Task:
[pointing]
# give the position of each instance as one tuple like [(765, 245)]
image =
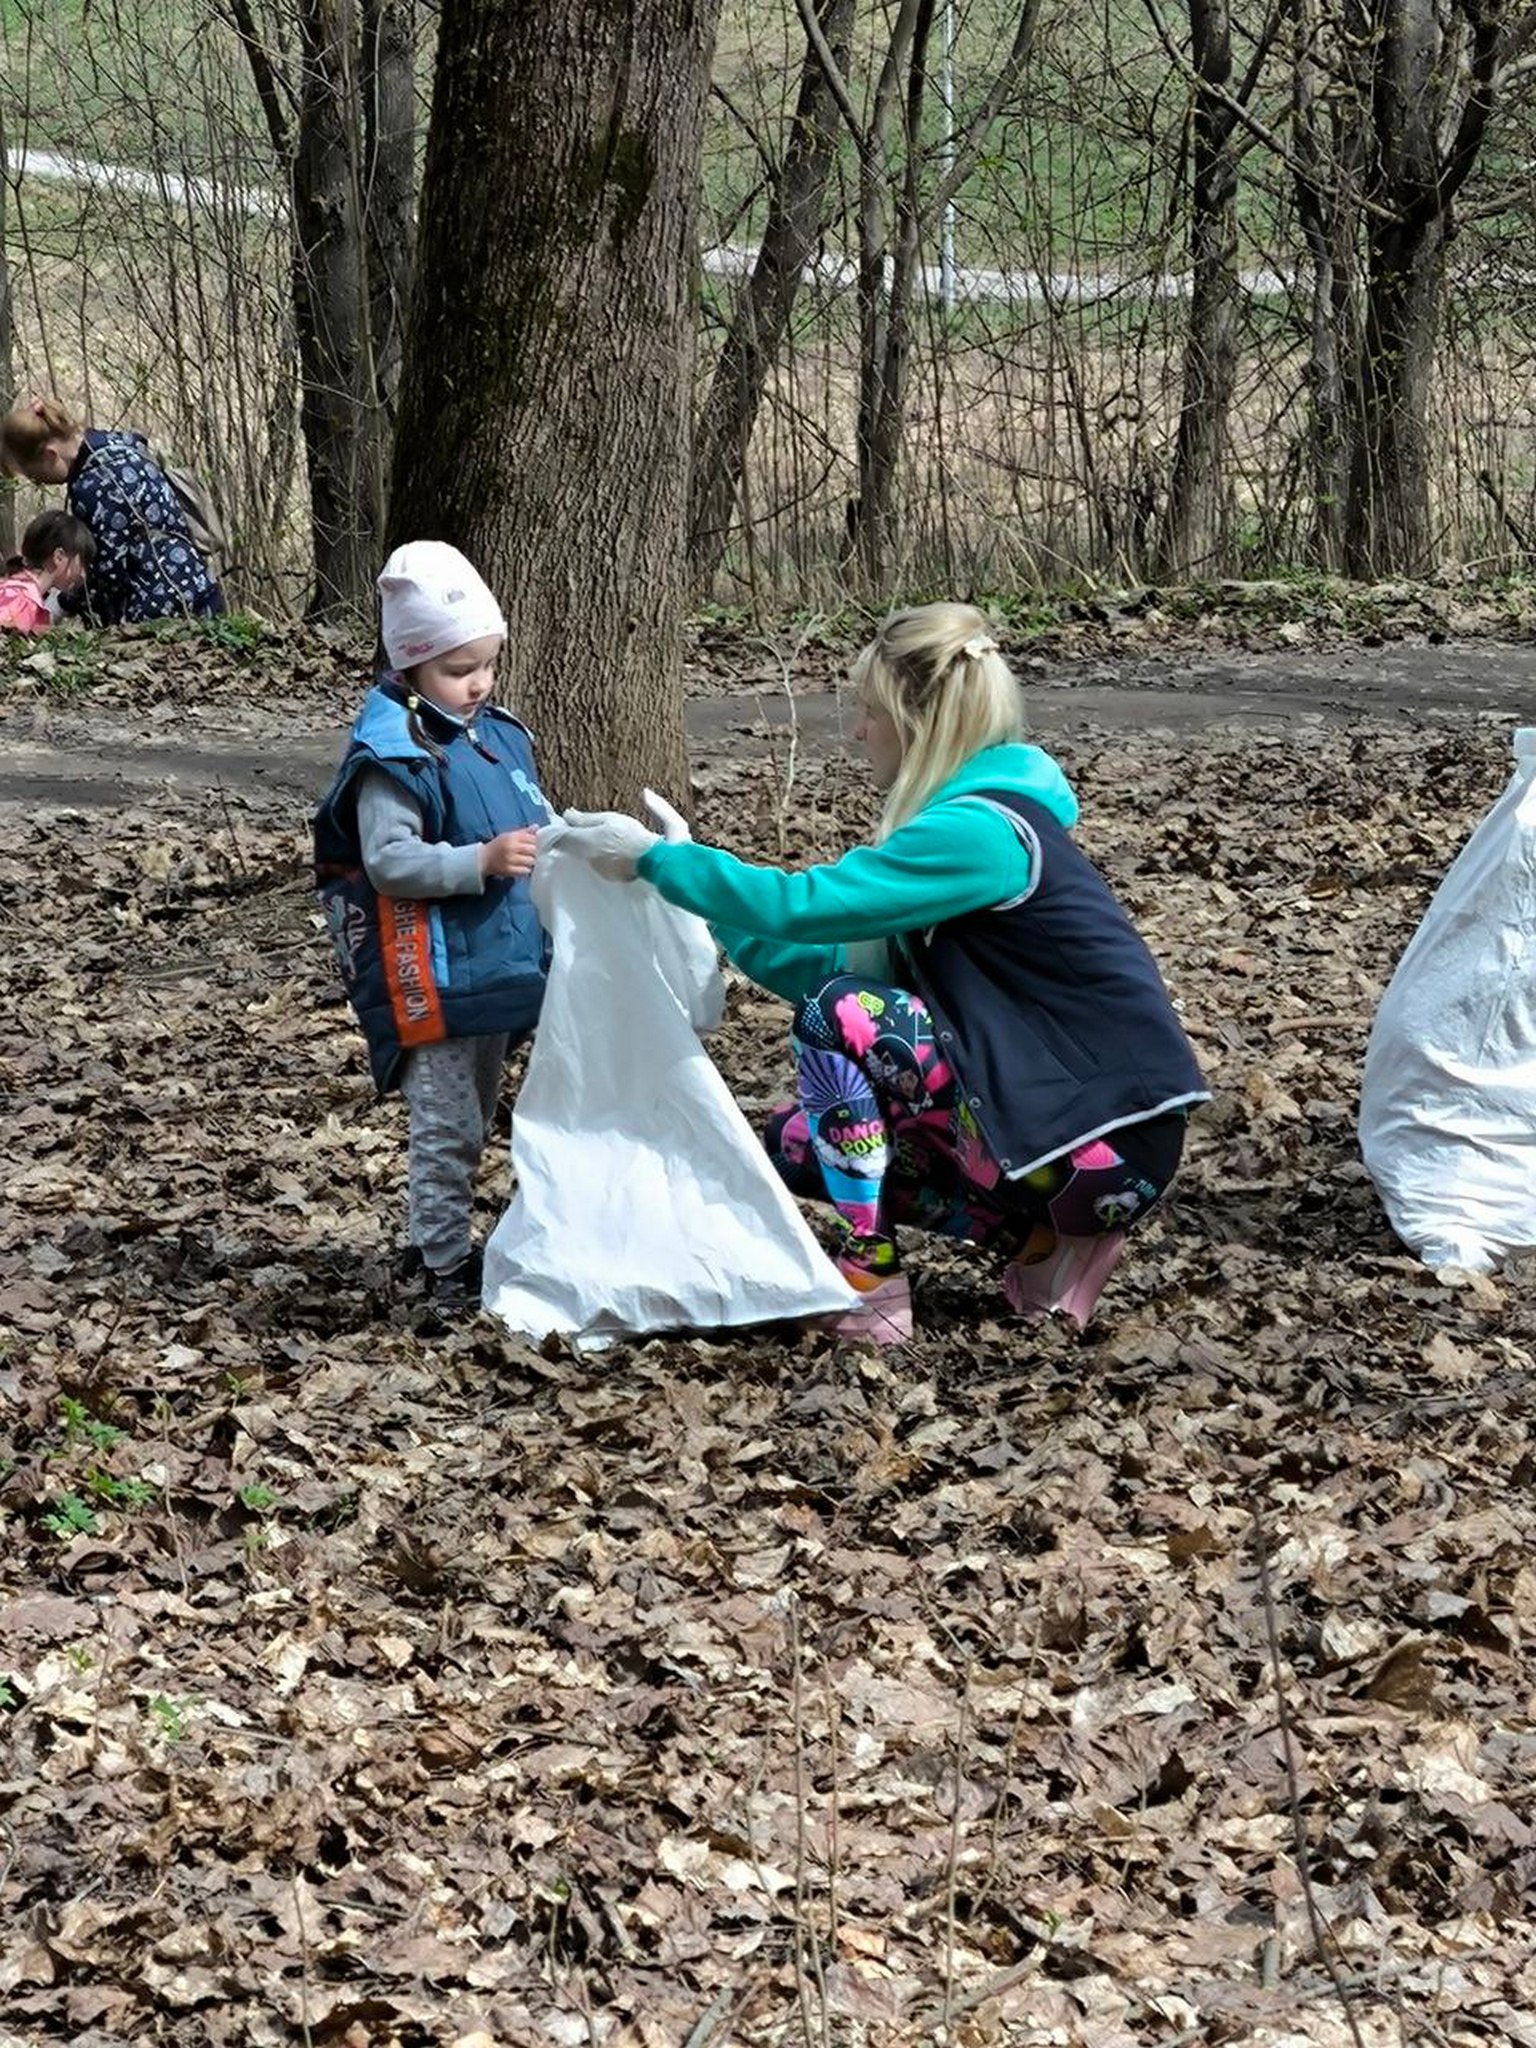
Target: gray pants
[(450, 1090)]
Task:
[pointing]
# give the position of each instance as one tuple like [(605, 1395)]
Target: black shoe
[(457, 1289)]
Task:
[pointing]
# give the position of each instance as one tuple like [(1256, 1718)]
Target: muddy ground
[(56, 754), (1163, 1684)]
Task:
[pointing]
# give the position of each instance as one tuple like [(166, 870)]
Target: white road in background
[(732, 259)]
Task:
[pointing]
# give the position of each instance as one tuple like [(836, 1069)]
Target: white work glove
[(610, 843), (674, 826)]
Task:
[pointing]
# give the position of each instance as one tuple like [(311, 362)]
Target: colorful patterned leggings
[(881, 1130)]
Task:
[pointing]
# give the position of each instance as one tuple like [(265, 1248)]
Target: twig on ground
[(836, 1843), (298, 1911), (952, 1858), (172, 1519), (806, 1941), (1322, 1934), (709, 2020), (1322, 1021), (234, 836)]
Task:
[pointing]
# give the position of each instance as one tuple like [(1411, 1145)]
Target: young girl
[(146, 564), (982, 1043), (56, 552), (423, 850)]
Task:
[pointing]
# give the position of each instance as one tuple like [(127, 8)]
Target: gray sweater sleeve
[(396, 859)]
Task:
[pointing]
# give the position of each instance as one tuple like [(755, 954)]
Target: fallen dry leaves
[(367, 1688)]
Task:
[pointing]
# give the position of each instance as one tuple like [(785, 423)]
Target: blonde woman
[(983, 1045)]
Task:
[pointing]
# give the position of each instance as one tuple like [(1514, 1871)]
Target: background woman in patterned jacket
[(146, 565)]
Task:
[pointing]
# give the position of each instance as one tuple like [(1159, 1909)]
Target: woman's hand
[(509, 854), (674, 826), (610, 843)]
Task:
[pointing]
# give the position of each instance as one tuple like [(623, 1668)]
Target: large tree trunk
[(543, 422), (760, 317), (1196, 525), (331, 296)]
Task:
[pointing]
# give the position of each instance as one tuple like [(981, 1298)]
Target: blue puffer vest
[(1051, 1009), (459, 966)]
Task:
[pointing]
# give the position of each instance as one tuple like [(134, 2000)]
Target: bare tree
[(896, 218), (1196, 525), (7, 347), (1419, 80), (543, 421), (338, 107), (1329, 145), (761, 315), (388, 83)]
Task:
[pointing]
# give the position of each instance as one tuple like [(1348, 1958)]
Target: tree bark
[(389, 181), (760, 317), (1196, 525), (1326, 167), (1388, 525), (543, 423), (341, 131), (8, 391), (331, 300), (883, 417), (1389, 530)]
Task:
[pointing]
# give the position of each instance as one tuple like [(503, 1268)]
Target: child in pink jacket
[(56, 551)]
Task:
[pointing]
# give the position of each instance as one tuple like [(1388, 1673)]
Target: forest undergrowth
[(1170, 1683)]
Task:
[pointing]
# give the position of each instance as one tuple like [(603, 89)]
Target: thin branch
[(764, 155), (968, 146), (1247, 118), (270, 89), (1283, 11), (1322, 1933), (837, 85), (1475, 115), (1517, 35)]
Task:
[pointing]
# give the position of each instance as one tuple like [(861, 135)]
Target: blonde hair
[(27, 430), (935, 670)]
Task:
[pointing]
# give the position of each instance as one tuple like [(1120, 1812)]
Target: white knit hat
[(432, 600)]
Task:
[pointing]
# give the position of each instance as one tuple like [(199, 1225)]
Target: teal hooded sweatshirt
[(792, 931)]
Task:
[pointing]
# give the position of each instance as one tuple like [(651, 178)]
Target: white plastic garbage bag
[(1448, 1099), (644, 1201)]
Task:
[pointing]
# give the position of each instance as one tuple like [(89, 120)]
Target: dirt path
[(69, 760)]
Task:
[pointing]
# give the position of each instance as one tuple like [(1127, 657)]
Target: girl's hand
[(509, 854)]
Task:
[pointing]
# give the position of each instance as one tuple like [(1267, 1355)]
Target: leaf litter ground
[(364, 1686)]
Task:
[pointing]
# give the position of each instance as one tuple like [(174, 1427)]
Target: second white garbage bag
[(1448, 1099), (644, 1201)]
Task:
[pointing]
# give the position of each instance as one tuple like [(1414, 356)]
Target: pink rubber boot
[(1068, 1277), (881, 1315)]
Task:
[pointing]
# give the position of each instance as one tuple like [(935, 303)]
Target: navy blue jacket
[(146, 566), (1051, 1009), (458, 966)]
